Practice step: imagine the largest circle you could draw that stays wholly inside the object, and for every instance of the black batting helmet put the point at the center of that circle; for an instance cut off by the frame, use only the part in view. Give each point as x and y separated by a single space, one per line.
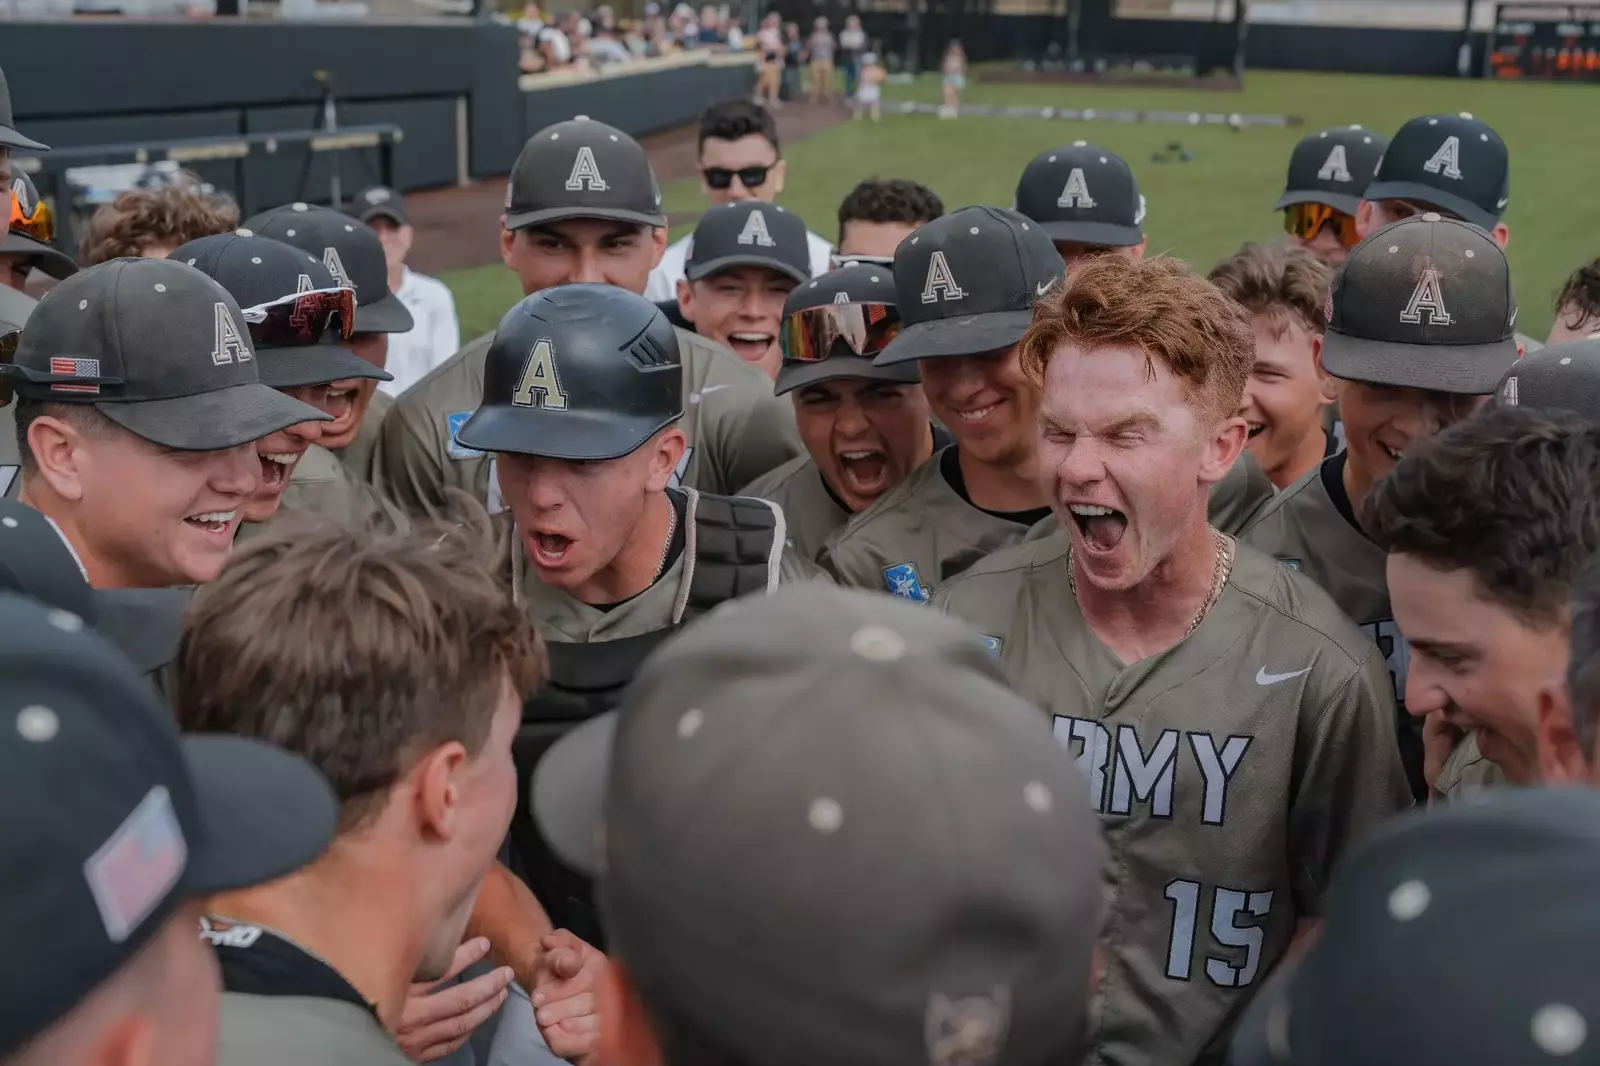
578 372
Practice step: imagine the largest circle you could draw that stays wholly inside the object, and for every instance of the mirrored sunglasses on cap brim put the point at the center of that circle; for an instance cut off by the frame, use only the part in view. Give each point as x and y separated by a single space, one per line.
303 319
39 223
1307 220
67 375
866 329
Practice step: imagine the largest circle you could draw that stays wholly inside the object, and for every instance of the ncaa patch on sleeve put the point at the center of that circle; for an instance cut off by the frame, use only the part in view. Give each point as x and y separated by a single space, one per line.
453 423
904 581
990 645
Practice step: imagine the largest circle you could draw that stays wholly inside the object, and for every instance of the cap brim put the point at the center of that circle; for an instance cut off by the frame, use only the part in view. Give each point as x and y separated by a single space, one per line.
1339 201
1262 1036
792 376
519 219
384 211
144 623
696 271
567 794
972 335
211 421
1432 196
264 813
1104 234
573 435
387 315
313 364
53 262
10 138
1465 369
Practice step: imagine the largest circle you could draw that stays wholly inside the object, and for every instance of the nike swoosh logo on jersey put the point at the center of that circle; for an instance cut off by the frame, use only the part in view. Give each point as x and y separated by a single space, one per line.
1264 678
695 397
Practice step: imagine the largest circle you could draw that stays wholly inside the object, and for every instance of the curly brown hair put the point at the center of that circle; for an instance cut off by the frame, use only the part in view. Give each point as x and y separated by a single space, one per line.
167 217
1579 299
1278 283
1157 306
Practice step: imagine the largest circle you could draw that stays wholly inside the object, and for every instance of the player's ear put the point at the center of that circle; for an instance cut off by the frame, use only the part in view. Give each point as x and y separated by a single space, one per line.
508 242
686 300
1364 218
1327 389
1316 353
57 448
775 176
432 784
658 245
1222 450
666 451
1136 253
1501 234
1561 757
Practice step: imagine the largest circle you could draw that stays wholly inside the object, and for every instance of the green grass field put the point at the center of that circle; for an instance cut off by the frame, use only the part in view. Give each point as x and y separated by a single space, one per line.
1203 209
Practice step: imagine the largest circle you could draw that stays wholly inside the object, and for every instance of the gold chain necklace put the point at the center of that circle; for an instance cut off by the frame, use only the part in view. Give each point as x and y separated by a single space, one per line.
1219 577
666 549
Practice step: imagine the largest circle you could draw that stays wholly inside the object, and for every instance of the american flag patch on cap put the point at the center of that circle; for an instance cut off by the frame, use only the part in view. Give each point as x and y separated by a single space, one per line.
77 368
134 870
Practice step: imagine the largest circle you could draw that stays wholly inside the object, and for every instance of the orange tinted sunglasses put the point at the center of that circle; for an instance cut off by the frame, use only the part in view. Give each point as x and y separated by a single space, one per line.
1307 220
40 223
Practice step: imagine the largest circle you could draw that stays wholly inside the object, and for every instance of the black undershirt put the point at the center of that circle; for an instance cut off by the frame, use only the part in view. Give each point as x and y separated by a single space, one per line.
950 467
680 504
1333 483
258 962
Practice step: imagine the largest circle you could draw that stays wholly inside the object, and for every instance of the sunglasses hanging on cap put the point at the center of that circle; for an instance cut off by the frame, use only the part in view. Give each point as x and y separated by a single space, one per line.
67 374
39 223
1307 220
303 319
866 329
749 177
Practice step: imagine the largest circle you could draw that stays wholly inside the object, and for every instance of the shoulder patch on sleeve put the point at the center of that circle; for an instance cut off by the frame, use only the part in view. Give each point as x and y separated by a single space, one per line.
1292 564
453 423
991 645
903 580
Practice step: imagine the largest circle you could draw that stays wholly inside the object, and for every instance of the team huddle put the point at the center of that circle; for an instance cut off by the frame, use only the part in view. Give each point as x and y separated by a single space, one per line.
968 641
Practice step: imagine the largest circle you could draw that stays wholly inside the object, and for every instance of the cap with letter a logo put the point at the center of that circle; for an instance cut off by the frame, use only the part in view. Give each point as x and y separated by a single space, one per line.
1562 377
750 233
158 348
582 169
858 931
351 251
1452 162
966 283
1084 194
579 372
1424 303
1332 166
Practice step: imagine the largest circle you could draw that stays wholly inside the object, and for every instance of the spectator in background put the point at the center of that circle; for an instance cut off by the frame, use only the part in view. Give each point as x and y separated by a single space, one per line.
868 95
954 69
880 213
437 334
1577 306
710 27
819 49
769 43
794 51
150 223
853 47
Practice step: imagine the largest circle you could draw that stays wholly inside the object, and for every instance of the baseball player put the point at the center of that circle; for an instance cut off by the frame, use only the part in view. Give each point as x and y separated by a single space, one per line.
298 316
876 854
113 836
1234 729
1450 165
581 404
1567 735
1577 305
879 213
583 206
865 427
746 259
1285 291
1419 332
965 286
1432 906
26 246
140 443
1086 199
1328 172
1487 527
14 306
353 254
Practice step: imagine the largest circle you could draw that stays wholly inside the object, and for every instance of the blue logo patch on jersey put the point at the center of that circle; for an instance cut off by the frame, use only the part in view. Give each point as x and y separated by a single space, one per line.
904 581
990 645
1292 564
453 423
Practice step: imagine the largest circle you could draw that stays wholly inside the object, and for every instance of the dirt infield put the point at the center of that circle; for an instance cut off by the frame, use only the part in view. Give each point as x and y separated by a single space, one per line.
459 227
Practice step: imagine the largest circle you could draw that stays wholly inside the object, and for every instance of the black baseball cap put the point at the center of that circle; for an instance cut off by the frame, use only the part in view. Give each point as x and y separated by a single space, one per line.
846 287
9 137
750 233
46 257
1562 377
582 169
966 283
379 201
890 847
1423 303
1083 193
1462 935
578 372
112 819
352 253
1332 166
1453 162
158 348
260 270
37 561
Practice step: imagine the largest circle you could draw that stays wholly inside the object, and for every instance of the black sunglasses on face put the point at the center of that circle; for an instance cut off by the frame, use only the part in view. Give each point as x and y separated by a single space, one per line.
749 177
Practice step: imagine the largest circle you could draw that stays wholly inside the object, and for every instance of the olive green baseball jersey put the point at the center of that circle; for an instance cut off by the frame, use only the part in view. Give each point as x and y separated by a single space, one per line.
813 514
1230 771
323 487
1466 771
361 455
736 428
1242 494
